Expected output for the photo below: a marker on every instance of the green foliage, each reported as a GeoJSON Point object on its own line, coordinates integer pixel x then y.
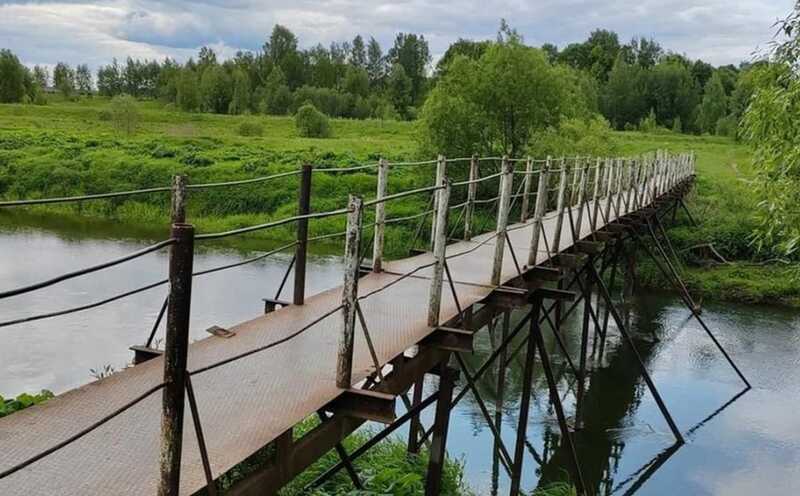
{"type": "Point", "coordinates": [649, 124]}
{"type": "Point", "coordinates": [251, 129]}
{"type": "Point", "coordinates": [592, 136]}
{"type": "Point", "coordinates": [215, 90]}
{"type": "Point", "coordinates": [240, 98]}
{"type": "Point", "coordinates": [727, 126]}
{"type": "Point", "coordinates": [23, 401]}
{"type": "Point", "coordinates": [624, 99]}
{"type": "Point", "coordinates": [12, 78]}
{"type": "Point", "coordinates": [494, 104]}
{"type": "Point", "coordinates": [187, 91]}
{"type": "Point", "coordinates": [714, 105]}
{"type": "Point", "coordinates": [125, 114]}
{"type": "Point", "coordinates": [311, 123]}
{"type": "Point", "coordinates": [64, 79]}
{"type": "Point", "coordinates": [672, 92]}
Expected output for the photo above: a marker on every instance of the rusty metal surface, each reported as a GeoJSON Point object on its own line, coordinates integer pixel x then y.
{"type": "Point", "coordinates": [244, 404]}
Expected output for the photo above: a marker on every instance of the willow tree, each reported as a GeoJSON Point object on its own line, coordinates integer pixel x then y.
{"type": "Point", "coordinates": [771, 126]}
{"type": "Point", "coordinates": [492, 104]}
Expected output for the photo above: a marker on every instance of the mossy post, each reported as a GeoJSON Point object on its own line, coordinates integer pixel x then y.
{"type": "Point", "coordinates": [344, 360]}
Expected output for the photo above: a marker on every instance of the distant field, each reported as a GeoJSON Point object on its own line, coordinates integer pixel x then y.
{"type": "Point", "coordinates": [68, 148]}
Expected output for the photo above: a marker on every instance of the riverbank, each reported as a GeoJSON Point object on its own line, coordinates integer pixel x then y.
{"type": "Point", "coordinates": [69, 149]}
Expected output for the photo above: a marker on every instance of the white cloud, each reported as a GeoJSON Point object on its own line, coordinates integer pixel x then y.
{"type": "Point", "coordinates": [718, 31]}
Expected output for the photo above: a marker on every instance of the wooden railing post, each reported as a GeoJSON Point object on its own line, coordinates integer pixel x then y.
{"type": "Point", "coordinates": [301, 249]}
{"type": "Point", "coordinates": [609, 192]}
{"type": "Point", "coordinates": [380, 217]}
{"type": "Point", "coordinates": [344, 360]}
{"type": "Point", "coordinates": [538, 212]}
{"type": "Point", "coordinates": [581, 199]}
{"type": "Point", "coordinates": [439, 254]}
{"type": "Point", "coordinates": [562, 189]}
{"type": "Point", "coordinates": [178, 200]}
{"type": "Point", "coordinates": [175, 356]}
{"type": "Point", "coordinates": [441, 171]}
{"type": "Point", "coordinates": [596, 192]}
{"type": "Point", "coordinates": [526, 192]}
{"type": "Point", "coordinates": [506, 185]}
{"type": "Point", "coordinates": [472, 194]}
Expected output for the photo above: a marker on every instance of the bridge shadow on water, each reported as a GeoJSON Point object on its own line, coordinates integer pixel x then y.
{"type": "Point", "coordinates": [621, 440]}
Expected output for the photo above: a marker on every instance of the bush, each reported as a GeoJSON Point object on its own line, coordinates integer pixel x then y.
{"type": "Point", "coordinates": [23, 401]}
{"type": "Point", "coordinates": [311, 123]}
{"type": "Point", "coordinates": [591, 136]}
{"type": "Point", "coordinates": [251, 129]}
{"type": "Point", "coordinates": [125, 114]}
{"type": "Point", "coordinates": [727, 126]}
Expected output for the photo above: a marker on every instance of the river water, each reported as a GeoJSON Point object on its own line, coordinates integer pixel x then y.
{"type": "Point", "coordinates": [737, 444]}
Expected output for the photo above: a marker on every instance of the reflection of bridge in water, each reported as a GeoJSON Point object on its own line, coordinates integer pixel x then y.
{"type": "Point", "coordinates": [347, 354]}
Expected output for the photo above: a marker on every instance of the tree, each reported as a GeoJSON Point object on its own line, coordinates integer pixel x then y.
{"type": "Point", "coordinates": [603, 50]}
{"type": "Point", "coordinates": [624, 98]}
{"type": "Point", "coordinates": [187, 91]}
{"type": "Point", "coordinates": [12, 78]}
{"type": "Point", "coordinates": [672, 92]}
{"type": "Point", "coordinates": [240, 98]}
{"type": "Point", "coordinates": [277, 96]}
{"type": "Point", "coordinates": [411, 51]}
{"type": "Point", "coordinates": [714, 105]}
{"type": "Point", "coordinates": [551, 51]}
{"type": "Point", "coordinates": [215, 90]}
{"type": "Point", "coordinates": [83, 79]}
{"type": "Point", "coordinates": [376, 64]}
{"type": "Point", "coordinates": [311, 123]}
{"type": "Point", "coordinates": [643, 52]}
{"type": "Point", "coordinates": [109, 79]}
{"type": "Point", "coordinates": [64, 79]}
{"type": "Point", "coordinates": [356, 81]}
{"type": "Point", "coordinates": [467, 48]}
{"type": "Point", "coordinates": [41, 76]}
{"type": "Point", "coordinates": [400, 87]}
{"type": "Point", "coordinates": [281, 50]}
{"type": "Point", "coordinates": [125, 114]}
{"type": "Point", "coordinates": [206, 58]}
{"type": "Point", "coordinates": [492, 105]}
{"type": "Point", "coordinates": [358, 53]}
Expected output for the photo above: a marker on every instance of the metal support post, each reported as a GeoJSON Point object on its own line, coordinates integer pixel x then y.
{"type": "Point", "coordinates": [303, 208]}
{"type": "Point", "coordinates": [447, 377]}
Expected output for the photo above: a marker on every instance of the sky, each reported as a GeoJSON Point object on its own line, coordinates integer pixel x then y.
{"type": "Point", "coordinates": [75, 31]}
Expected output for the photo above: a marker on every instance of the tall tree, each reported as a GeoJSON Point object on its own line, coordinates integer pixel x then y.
{"type": "Point", "coordinates": [240, 97]}
{"type": "Point", "coordinates": [41, 76]}
{"type": "Point", "coordinates": [12, 78]}
{"type": "Point", "coordinates": [109, 79]}
{"type": "Point", "coordinates": [64, 79]}
{"type": "Point", "coordinates": [83, 79]}
{"type": "Point", "coordinates": [358, 52]}
{"type": "Point", "coordinates": [672, 92]}
{"type": "Point", "coordinates": [376, 64]}
{"type": "Point", "coordinates": [411, 51]}
{"type": "Point", "coordinates": [400, 88]}
{"type": "Point", "coordinates": [714, 105]}
{"type": "Point", "coordinates": [624, 99]}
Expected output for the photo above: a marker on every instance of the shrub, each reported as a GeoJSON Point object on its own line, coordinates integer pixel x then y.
{"type": "Point", "coordinates": [125, 114]}
{"type": "Point", "coordinates": [23, 401]}
{"type": "Point", "coordinates": [251, 129]}
{"type": "Point", "coordinates": [727, 126]}
{"type": "Point", "coordinates": [311, 123]}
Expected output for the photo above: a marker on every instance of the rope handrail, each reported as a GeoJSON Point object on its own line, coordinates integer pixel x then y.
{"type": "Point", "coordinates": [403, 194]}
{"type": "Point", "coordinates": [345, 169]}
{"type": "Point", "coordinates": [247, 261]}
{"type": "Point", "coordinates": [268, 225]}
{"type": "Point", "coordinates": [87, 270]}
{"type": "Point", "coordinates": [88, 306]}
{"type": "Point", "coordinates": [478, 180]}
{"type": "Point", "coordinates": [243, 181]}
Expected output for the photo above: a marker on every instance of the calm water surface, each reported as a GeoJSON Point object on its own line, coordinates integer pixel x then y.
{"type": "Point", "coordinates": [737, 444]}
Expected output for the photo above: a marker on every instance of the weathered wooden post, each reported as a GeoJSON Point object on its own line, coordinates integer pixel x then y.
{"type": "Point", "coordinates": [526, 190]}
{"type": "Point", "coordinates": [380, 217]}
{"type": "Point", "coordinates": [176, 351]}
{"type": "Point", "coordinates": [301, 248]}
{"type": "Point", "coordinates": [472, 193]}
{"type": "Point", "coordinates": [597, 191]}
{"type": "Point", "coordinates": [581, 199]}
{"type": "Point", "coordinates": [178, 201]}
{"type": "Point", "coordinates": [620, 179]}
{"type": "Point", "coordinates": [562, 188]}
{"type": "Point", "coordinates": [441, 171]}
{"type": "Point", "coordinates": [439, 254]}
{"type": "Point", "coordinates": [506, 184]}
{"type": "Point", "coordinates": [609, 188]}
{"type": "Point", "coordinates": [538, 213]}
{"type": "Point", "coordinates": [344, 361]}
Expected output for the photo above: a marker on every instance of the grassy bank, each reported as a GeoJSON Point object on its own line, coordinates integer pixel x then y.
{"type": "Point", "coordinates": [70, 148]}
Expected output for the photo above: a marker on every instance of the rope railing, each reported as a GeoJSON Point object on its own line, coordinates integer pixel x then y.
{"type": "Point", "coordinates": [610, 181]}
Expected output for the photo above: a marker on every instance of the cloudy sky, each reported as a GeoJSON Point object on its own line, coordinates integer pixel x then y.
{"type": "Point", "coordinates": [44, 32]}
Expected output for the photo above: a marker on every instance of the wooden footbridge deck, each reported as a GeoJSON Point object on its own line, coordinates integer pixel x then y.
{"type": "Point", "coordinates": [346, 353]}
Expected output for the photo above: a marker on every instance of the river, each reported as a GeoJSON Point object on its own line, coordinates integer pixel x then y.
{"type": "Point", "coordinates": [737, 444]}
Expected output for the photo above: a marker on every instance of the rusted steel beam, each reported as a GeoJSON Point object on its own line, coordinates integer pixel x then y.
{"type": "Point", "coordinates": [555, 294]}
{"type": "Point", "coordinates": [364, 404]}
{"type": "Point", "coordinates": [589, 247]}
{"type": "Point", "coordinates": [450, 339]}
{"type": "Point", "coordinates": [541, 273]}
{"type": "Point", "coordinates": [436, 458]}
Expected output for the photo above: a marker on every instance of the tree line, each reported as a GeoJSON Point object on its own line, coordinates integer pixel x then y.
{"type": "Point", "coordinates": [633, 85]}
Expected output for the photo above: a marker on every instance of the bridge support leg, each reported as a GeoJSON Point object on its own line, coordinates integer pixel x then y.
{"type": "Point", "coordinates": [441, 423]}
{"type": "Point", "coordinates": [525, 400]}
{"type": "Point", "coordinates": [566, 435]}
{"type": "Point", "coordinates": [415, 426]}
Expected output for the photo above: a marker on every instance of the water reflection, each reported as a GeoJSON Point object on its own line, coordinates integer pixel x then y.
{"type": "Point", "coordinates": [624, 444]}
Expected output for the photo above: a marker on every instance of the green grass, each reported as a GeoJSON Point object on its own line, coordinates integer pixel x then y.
{"type": "Point", "coordinates": [68, 148]}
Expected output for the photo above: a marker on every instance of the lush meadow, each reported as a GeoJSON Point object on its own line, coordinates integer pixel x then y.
{"type": "Point", "coordinates": [73, 148]}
